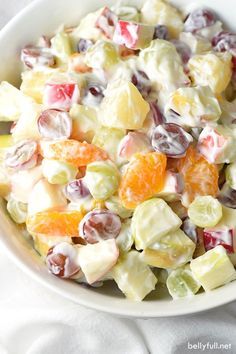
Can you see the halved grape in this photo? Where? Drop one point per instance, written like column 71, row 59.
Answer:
column 58, row 172
column 102, row 179
column 198, row 19
column 99, row 225
column 181, row 283
column 22, row 156
column 205, row 211
column 55, row 124
column 171, row 140
column 62, row 261
column 76, row 190
column 17, row 210
column 32, row 56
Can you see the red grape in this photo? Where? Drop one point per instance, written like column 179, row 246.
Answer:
column 32, row 56
column 198, row 19
column 61, row 260
column 55, row 124
column 171, row 140
column 157, row 116
column 83, row 45
column 100, row 225
column 142, row 82
column 225, row 41
column 161, row 32
column 22, row 156
column 76, row 190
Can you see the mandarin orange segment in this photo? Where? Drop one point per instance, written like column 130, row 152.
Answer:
column 72, row 151
column 55, row 223
column 201, row 177
column 143, row 178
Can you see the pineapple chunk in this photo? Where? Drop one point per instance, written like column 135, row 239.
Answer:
column 12, row 102
column 133, row 277
column 151, row 220
column 213, row 70
column 45, row 196
column 97, row 259
column 123, row 106
column 195, row 105
column 213, row 269
column 159, row 12
column 172, row 251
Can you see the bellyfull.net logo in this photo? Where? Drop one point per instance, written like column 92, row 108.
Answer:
column 209, row 346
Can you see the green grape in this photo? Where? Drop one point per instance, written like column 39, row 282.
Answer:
column 181, row 283
column 125, row 238
column 114, row 204
column 108, row 139
column 17, row 210
column 102, row 179
column 61, row 46
column 58, row 172
column 102, row 55
column 230, row 174
column 205, row 211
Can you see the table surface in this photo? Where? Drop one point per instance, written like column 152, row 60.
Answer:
column 33, row 320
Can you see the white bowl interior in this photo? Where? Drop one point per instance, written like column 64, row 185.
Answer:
column 44, row 17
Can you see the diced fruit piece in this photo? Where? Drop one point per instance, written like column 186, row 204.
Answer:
column 227, row 196
column 195, row 105
column 214, row 237
column 114, row 204
column 98, row 259
column 55, row 223
column 72, row 151
column 102, row 55
column 85, row 122
column 133, row 277
column 33, row 56
column 22, row 156
column 200, row 177
column 147, row 228
column 127, row 13
column 230, row 174
column 60, row 96
column 99, row 225
column 217, row 145
column 22, row 183
column 132, row 143
column 170, row 251
column 213, row 269
column 163, row 65
column 62, row 260
column 173, row 186
column 34, row 81
column 106, row 22
column 171, row 140
column 213, row 70
column 181, row 283
column 54, row 124
column 42, row 244
column 205, row 211
column 123, row 106
column 76, row 190
column 143, row 178
column 58, row 172
column 190, row 230
column 161, row 12
column 125, row 238
column 12, row 102
column 83, row 45
column 102, row 179
column 61, row 47
column 17, row 210
column 198, row 19
column 133, row 35
column 43, row 196
column 5, row 186
column 161, row 32
column 197, row 44
column 109, row 139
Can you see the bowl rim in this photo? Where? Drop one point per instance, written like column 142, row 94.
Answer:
column 227, row 295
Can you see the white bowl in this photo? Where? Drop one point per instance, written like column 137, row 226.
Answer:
column 43, row 17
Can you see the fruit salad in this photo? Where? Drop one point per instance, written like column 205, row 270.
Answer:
column 120, row 160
